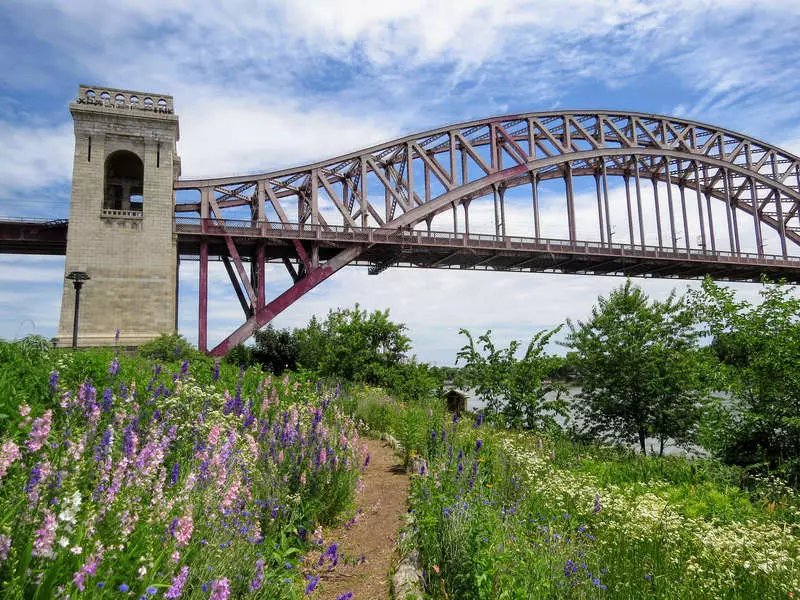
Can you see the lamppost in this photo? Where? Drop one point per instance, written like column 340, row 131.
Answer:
column 77, row 278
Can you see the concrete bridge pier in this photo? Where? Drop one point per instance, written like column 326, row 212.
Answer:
column 121, row 215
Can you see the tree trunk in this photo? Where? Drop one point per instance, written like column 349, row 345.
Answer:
column 661, row 448
column 642, row 441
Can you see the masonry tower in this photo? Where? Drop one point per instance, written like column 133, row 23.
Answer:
column 120, row 220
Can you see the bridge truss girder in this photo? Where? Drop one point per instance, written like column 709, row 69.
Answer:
column 403, row 185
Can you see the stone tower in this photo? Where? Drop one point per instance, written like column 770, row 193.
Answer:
column 120, row 219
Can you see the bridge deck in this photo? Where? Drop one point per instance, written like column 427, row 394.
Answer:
column 31, row 236
column 392, row 248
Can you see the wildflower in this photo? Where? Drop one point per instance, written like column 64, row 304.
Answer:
column 220, row 589
column 184, row 528
column 436, row 569
column 258, row 580
column 479, row 420
column 312, row 584
column 9, row 453
column 176, row 471
column 366, row 460
column 176, row 589
column 215, row 371
column 648, row 577
column 213, row 435
column 123, row 587
column 345, row 596
column 113, row 367
column 53, row 381
column 478, row 445
column 5, row 546
column 39, row 431
column 597, row 506
column 455, row 418
column 152, row 590
column 88, row 569
column 45, row 536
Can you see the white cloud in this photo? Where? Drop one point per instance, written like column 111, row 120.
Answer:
column 34, row 156
column 225, row 135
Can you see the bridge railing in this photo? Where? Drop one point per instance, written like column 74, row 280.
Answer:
column 370, row 235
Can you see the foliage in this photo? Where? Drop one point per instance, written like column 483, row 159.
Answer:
column 514, row 390
column 762, row 428
column 411, row 380
column 240, row 356
column 586, row 521
column 353, row 345
column 24, row 367
column 123, row 484
column 640, row 369
column 168, row 347
column 277, row 350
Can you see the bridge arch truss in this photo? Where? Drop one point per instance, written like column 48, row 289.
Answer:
column 718, row 202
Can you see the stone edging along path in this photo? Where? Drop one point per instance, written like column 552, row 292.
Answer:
column 367, row 543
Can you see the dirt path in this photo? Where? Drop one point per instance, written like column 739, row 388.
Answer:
column 383, row 502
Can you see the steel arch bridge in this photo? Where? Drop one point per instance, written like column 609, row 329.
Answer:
column 378, row 206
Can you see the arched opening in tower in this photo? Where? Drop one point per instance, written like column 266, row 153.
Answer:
column 124, row 182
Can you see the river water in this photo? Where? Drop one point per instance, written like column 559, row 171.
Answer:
column 475, row 404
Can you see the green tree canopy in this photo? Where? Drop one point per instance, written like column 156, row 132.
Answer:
column 514, row 390
column 353, row 344
column 277, row 349
column 640, row 369
column 762, row 347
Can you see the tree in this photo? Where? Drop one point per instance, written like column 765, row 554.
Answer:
column 514, row 390
column 353, row 344
column 762, row 427
column 276, row 349
column 640, row 369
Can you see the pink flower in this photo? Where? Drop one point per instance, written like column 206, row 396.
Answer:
column 9, row 454
column 43, row 544
column 220, row 590
column 39, row 431
column 184, row 528
column 303, row 478
column 213, row 435
column 24, row 410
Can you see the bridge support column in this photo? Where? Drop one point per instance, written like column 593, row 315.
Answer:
column 202, row 317
column 573, row 236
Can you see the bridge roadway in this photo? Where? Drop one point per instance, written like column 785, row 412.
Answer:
column 383, row 248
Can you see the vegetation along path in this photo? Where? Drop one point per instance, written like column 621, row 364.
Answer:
column 367, row 543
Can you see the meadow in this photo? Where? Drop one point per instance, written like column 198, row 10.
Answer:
column 121, row 477
column 186, row 478
column 508, row 514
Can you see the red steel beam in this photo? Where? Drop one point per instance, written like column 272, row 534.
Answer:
column 202, row 333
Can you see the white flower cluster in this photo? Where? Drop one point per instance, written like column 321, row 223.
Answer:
column 714, row 552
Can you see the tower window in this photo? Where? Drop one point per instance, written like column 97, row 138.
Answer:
column 124, row 183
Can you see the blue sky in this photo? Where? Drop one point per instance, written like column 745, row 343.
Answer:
column 264, row 85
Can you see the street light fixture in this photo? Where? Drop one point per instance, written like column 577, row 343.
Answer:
column 77, row 278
